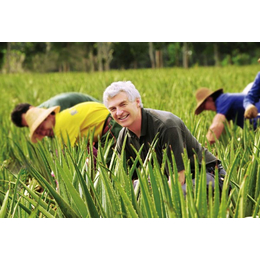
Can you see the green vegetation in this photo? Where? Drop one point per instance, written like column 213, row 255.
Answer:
column 45, row 57
column 43, row 181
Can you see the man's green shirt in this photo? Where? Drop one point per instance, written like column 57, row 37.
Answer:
column 173, row 135
column 67, row 100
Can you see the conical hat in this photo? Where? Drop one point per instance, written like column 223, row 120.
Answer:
column 35, row 116
column 201, row 95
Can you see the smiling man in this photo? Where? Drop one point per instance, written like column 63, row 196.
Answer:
column 142, row 125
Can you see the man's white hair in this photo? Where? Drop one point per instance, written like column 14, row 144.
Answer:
column 121, row 86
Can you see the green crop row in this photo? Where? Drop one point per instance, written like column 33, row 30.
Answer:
column 43, row 180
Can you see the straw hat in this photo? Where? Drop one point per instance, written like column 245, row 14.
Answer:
column 201, row 95
column 35, row 116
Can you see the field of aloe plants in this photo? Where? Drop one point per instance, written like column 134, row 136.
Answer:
column 45, row 181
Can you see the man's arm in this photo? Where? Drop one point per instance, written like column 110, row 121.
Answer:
column 216, row 128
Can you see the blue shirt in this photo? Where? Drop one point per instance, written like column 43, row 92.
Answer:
column 231, row 106
column 253, row 95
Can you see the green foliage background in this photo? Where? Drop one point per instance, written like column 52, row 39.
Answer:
column 27, row 188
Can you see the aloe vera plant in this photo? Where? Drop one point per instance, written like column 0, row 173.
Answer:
column 48, row 180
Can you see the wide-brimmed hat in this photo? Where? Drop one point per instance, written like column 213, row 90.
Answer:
column 201, row 95
column 35, row 116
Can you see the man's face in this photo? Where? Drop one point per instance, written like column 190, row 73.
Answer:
column 46, row 127
column 209, row 104
column 124, row 112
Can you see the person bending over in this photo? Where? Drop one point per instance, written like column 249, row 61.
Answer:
column 72, row 124
column 228, row 106
column 64, row 100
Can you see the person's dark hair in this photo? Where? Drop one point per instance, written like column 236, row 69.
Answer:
column 16, row 114
column 216, row 94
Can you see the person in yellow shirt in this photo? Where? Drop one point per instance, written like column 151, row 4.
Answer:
column 81, row 120
column 64, row 100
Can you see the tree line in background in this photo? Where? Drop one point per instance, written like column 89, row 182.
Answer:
column 16, row 57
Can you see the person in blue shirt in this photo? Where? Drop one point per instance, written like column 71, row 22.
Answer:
column 228, row 106
column 251, row 99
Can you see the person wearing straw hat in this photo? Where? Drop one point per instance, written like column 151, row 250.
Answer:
column 228, row 106
column 142, row 125
column 64, row 100
column 69, row 125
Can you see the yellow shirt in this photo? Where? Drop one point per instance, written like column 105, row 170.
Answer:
column 80, row 120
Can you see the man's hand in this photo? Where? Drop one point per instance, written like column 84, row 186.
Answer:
column 181, row 178
column 251, row 112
